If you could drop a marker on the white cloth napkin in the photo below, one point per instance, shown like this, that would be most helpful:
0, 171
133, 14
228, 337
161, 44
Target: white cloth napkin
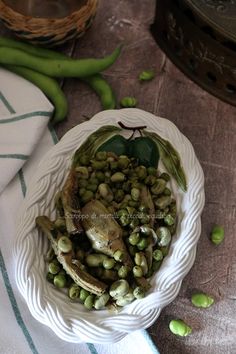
24, 139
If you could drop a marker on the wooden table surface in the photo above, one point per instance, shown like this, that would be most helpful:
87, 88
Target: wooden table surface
210, 125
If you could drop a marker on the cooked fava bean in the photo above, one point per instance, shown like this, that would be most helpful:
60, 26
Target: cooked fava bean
139, 292
162, 202
159, 186
123, 272
137, 271
83, 295
119, 256
119, 288
95, 260
134, 238
74, 291
164, 236
89, 302
59, 280
64, 244
135, 194
118, 177
125, 300
101, 301
157, 255
108, 263
54, 268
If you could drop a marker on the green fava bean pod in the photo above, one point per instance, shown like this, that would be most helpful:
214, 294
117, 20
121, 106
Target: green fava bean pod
57, 67
217, 235
202, 300
179, 328
102, 89
49, 86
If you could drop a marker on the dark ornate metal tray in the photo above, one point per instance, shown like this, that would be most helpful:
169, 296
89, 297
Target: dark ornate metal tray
199, 36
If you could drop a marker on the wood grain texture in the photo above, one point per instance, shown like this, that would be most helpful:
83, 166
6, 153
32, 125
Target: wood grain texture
211, 127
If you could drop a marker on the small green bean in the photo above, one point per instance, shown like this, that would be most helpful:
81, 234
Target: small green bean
141, 172
60, 280
128, 102
169, 220
123, 162
101, 301
165, 176
134, 223
119, 288
50, 277
95, 260
74, 291
125, 300
87, 196
162, 202
142, 244
135, 194
64, 244
146, 75
89, 302
109, 263
202, 300
83, 295
157, 255
119, 256
159, 186
164, 236
179, 328
217, 235
134, 238
137, 271
123, 272
105, 192
118, 177
139, 292
53, 268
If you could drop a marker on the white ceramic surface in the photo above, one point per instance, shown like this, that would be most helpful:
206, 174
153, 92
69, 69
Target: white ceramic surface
70, 321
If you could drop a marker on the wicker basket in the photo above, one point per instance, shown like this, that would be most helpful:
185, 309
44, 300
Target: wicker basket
49, 31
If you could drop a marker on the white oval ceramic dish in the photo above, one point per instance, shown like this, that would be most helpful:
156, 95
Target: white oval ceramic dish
70, 321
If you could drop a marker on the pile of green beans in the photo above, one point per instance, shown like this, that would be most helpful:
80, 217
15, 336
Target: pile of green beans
42, 66
118, 182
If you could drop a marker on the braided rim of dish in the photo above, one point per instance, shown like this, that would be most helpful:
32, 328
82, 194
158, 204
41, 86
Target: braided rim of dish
69, 320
